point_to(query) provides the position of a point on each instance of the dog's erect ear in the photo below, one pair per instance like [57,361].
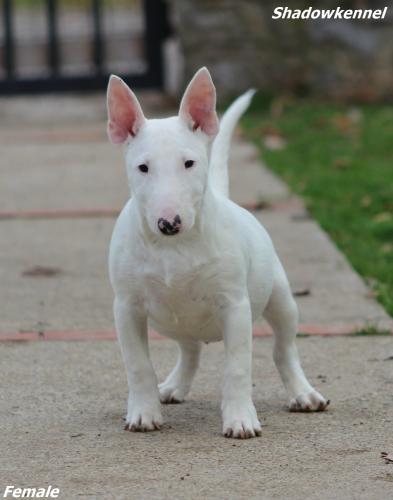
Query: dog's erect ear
[198,106]
[125,115]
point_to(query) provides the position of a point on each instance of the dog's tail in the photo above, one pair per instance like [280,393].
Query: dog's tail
[220,148]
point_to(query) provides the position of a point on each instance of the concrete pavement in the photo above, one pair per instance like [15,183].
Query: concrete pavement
[56,160]
[61,423]
[61,403]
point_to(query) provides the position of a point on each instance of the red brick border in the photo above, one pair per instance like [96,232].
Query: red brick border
[80,335]
[72,213]
[60,213]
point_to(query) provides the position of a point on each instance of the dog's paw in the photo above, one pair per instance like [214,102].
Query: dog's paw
[144,418]
[171,393]
[240,420]
[307,402]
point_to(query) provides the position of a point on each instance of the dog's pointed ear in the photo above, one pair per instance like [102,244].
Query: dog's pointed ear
[125,115]
[198,106]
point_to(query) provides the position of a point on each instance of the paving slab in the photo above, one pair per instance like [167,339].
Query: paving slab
[62,403]
[59,176]
[79,297]
[56,159]
[54,110]
[61,424]
[90,175]
[334,294]
[64,168]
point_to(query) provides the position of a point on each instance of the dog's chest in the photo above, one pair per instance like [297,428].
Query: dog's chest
[182,293]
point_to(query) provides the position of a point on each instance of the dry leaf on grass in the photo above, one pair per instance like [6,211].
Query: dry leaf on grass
[274,142]
[366,201]
[387,248]
[341,163]
[348,124]
[273,138]
[382,217]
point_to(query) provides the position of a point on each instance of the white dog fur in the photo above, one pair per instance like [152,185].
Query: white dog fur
[191,263]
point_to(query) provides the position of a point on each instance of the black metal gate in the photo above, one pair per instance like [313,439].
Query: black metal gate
[156,28]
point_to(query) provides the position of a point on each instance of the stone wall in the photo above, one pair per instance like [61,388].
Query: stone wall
[244,47]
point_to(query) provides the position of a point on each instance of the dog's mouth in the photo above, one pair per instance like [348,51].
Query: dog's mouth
[169,228]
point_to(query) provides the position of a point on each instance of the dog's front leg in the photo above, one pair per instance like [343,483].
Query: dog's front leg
[144,412]
[239,415]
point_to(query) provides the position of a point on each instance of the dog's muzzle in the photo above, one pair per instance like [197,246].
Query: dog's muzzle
[169,228]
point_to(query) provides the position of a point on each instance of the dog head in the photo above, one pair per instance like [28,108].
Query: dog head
[167,159]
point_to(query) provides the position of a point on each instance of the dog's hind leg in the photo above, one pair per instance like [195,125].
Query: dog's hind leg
[178,383]
[282,314]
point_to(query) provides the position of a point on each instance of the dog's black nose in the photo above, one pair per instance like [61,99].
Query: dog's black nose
[169,228]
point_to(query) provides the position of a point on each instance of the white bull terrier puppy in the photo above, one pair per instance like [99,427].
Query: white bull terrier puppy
[191,263]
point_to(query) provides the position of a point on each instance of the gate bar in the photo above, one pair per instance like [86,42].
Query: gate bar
[9,62]
[98,47]
[156,29]
[53,41]
[154,11]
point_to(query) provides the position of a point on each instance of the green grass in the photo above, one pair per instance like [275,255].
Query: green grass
[370,330]
[340,160]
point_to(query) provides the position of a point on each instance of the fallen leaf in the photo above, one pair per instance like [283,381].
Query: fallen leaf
[279,104]
[270,129]
[385,477]
[301,216]
[274,142]
[382,217]
[355,115]
[371,282]
[341,163]
[320,122]
[239,132]
[348,123]
[366,201]
[41,271]
[343,124]
[273,138]
[263,205]
[302,292]
[388,457]
[387,248]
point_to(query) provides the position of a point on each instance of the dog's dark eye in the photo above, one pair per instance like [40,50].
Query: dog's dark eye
[143,168]
[189,163]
